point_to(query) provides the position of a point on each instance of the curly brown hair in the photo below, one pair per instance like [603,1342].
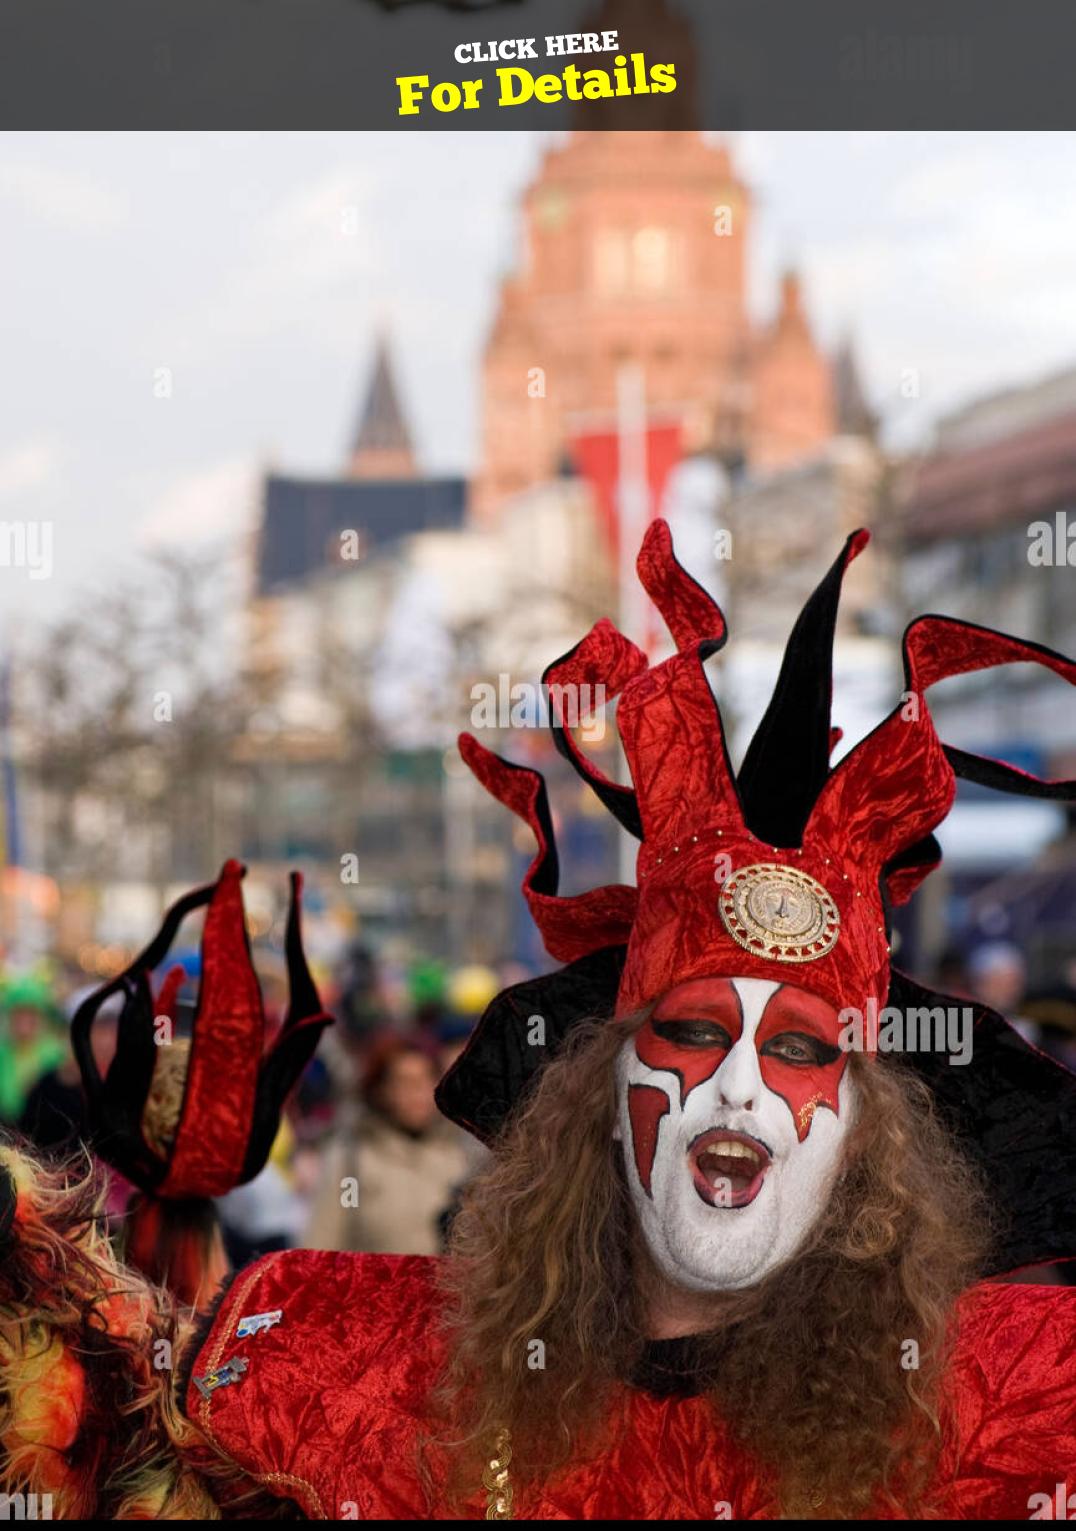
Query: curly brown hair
[546,1244]
[89,1352]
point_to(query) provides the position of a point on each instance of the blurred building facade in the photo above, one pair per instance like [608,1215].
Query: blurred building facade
[378,615]
[385,599]
[984,522]
[788,527]
[635,249]
[969,510]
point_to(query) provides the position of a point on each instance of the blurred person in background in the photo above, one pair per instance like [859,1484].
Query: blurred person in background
[952,974]
[427,993]
[270,1211]
[358,1005]
[997,976]
[31,1044]
[394,1165]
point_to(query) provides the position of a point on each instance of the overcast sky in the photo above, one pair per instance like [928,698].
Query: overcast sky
[256,267]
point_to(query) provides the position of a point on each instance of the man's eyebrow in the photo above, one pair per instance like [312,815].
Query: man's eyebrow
[808,1009]
[792,1020]
[688,1019]
[724,1001]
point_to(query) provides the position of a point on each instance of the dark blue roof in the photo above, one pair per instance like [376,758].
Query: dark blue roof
[303,519]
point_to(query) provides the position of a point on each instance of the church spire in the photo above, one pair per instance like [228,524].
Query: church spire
[382,445]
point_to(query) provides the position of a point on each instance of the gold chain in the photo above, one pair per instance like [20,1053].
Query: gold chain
[495,1479]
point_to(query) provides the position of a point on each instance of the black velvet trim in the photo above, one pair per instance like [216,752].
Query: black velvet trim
[546,876]
[674,1368]
[278,1074]
[303,997]
[115,1103]
[620,801]
[924,855]
[1013,1109]
[117,1118]
[293,1049]
[1006,778]
[499,1063]
[787,761]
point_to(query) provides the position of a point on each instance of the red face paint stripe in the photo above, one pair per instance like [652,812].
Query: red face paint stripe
[646,1107]
[705,1000]
[803,1089]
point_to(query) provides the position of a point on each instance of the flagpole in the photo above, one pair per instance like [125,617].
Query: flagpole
[632,517]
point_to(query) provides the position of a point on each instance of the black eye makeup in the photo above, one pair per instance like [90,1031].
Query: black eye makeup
[798,1048]
[693,1033]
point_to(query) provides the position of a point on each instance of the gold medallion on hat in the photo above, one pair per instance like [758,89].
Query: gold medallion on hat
[779,912]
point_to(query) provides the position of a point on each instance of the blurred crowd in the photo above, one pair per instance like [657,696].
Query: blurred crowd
[363,1159]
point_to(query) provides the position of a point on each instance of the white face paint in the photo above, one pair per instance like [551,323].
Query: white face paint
[745,1057]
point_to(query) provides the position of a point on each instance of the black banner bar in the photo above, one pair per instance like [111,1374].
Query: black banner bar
[736,64]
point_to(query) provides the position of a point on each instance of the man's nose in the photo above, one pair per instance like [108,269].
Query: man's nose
[738,1080]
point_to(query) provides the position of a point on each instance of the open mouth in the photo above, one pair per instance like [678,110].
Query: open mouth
[728,1168]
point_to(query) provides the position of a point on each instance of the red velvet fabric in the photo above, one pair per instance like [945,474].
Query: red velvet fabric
[603,658]
[168,994]
[879,803]
[885,795]
[571,927]
[226,1054]
[334,1399]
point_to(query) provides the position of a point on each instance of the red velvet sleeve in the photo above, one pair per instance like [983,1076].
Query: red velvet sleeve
[1013,1389]
[326,1410]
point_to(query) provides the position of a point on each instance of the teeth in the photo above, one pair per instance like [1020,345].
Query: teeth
[713,1162]
[731,1149]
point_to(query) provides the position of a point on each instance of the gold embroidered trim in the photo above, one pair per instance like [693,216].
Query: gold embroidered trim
[495,1479]
[204,1421]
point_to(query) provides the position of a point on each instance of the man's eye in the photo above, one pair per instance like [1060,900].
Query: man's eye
[693,1033]
[788,1047]
[794,1047]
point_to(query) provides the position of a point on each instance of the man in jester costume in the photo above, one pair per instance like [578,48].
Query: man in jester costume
[730,1259]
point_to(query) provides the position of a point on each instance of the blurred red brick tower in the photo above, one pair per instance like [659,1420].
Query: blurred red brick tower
[792,387]
[633,248]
